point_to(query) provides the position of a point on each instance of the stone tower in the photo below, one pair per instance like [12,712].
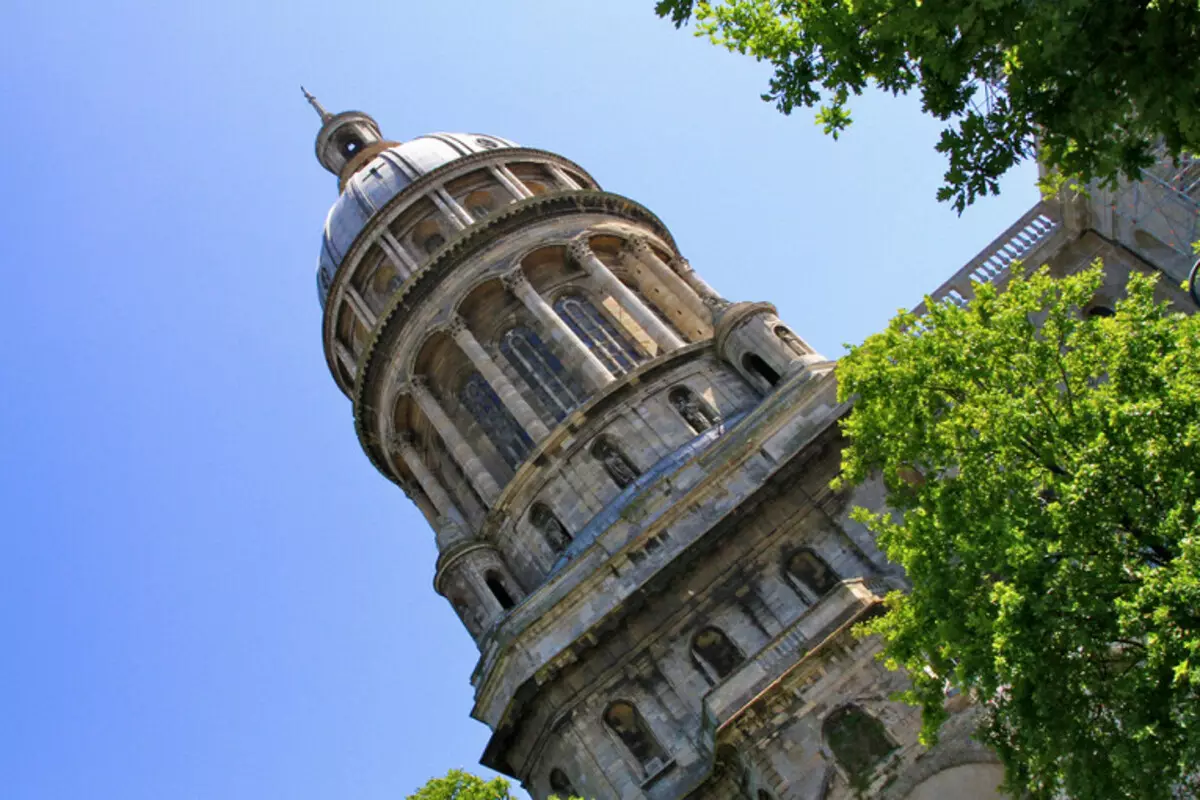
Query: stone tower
[628,480]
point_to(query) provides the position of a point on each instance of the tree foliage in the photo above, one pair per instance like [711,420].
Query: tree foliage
[1044,469]
[458,784]
[1100,82]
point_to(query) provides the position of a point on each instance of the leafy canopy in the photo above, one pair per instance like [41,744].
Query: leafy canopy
[1099,81]
[1045,471]
[460,785]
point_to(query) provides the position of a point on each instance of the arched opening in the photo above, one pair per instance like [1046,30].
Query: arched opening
[505,433]
[963,782]
[553,531]
[561,785]
[1099,312]
[791,340]
[858,741]
[541,370]
[753,364]
[618,467]
[763,794]
[613,348]
[624,720]
[698,414]
[810,571]
[496,586]
[716,653]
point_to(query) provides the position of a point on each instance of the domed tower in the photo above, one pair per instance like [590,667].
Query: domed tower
[626,474]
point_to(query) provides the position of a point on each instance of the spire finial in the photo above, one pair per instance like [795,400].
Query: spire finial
[320,109]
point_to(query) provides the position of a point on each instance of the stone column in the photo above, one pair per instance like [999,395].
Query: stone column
[655,328]
[579,356]
[428,482]
[459,448]
[508,394]
[708,294]
[639,249]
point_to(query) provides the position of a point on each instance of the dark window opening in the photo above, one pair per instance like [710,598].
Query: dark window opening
[714,650]
[433,242]
[1099,312]
[625,721]
[561,785]
[858,742]
[809,569]
[753,363]
[497,588]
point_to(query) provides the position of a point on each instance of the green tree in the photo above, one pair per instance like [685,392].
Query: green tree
[460,785]
[1100,82]
[1044,470]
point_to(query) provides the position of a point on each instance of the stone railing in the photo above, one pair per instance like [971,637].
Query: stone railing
[1022,241]
[848,599]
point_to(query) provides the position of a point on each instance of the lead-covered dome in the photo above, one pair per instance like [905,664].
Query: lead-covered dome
[381,179]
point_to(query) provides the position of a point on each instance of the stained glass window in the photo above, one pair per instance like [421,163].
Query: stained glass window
[613,348]
[541,370]
[505,433]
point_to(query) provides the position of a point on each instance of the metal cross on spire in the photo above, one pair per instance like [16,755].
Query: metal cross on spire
[320,109]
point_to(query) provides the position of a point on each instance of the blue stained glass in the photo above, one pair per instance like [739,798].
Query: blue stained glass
[541,370]
[611,346]
[509,439]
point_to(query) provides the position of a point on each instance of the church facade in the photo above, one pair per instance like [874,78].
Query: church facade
[627,474]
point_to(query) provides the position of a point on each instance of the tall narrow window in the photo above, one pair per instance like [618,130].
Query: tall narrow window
[623,719]
[561,785]
[858,741]
[695,412]
[791,340]
[541,370]
[753,363]
[717,655]
[504,432]
[496,586]
[808,569]
[615,463]
[548,525]
[613,348]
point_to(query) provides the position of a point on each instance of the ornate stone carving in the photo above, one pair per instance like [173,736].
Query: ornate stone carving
[514,280]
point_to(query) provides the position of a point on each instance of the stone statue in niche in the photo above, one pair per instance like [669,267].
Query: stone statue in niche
[614,461]
[555,534]
[694,412]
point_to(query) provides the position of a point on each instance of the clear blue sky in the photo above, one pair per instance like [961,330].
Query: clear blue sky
[206,591]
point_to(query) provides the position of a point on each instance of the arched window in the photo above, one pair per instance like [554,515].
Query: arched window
[561,785]
[1098,312]
[715,652]
[541,370]
[623,719]
[548,525]
[791,340]
[496,586]
[753,363]
[695,412]
[432,243]
[618,467]
[858,741]
[613,348]
[482,403]
[810,570]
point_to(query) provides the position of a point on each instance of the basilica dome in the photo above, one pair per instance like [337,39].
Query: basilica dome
[381,179]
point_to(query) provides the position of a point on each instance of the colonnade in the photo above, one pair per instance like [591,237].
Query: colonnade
[692,294]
